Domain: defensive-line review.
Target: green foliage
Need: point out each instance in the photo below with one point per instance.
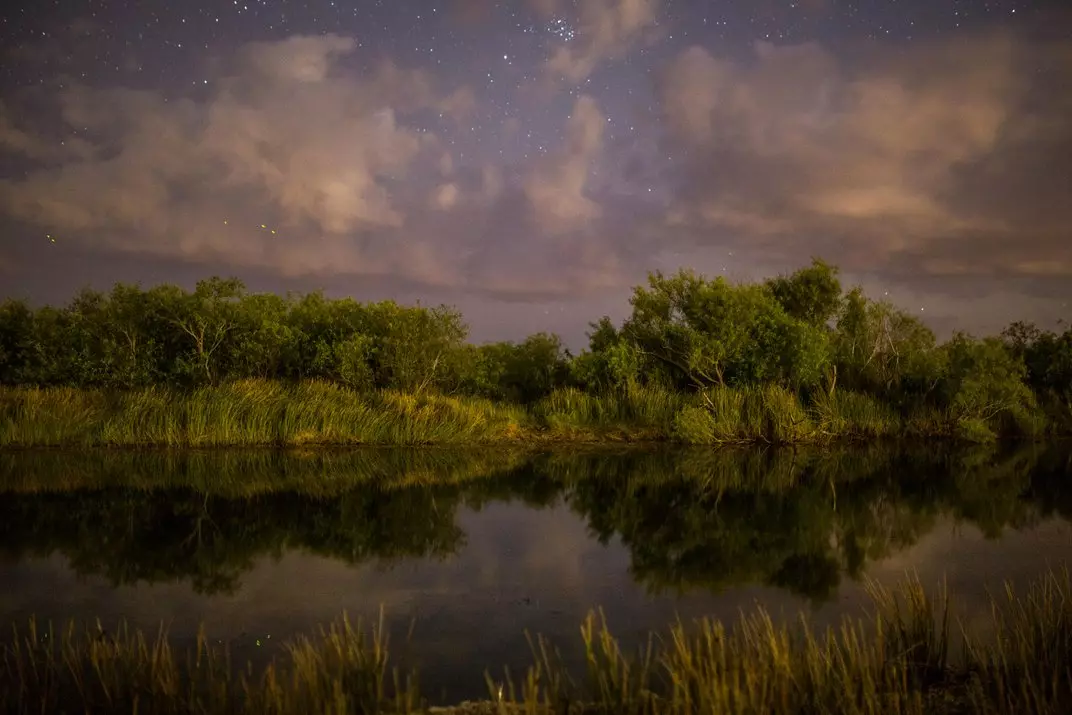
(984, 380)
(686, 334)
(16, 341)
(709, 332)
(852, 414)
(884, 351)
(781, 416)
(415, 344)
(1047, 357)
(726, 406)
(353, 362)
(635, 413)
(811, 295)
(618, 366)
(974, 429)
(694, 425)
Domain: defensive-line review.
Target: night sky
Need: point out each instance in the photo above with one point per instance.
(530, 161)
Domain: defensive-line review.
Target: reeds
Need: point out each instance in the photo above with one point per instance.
(773, 414)
(852, 414)
(90, 670)
(1027, 667)
(896, 660)
(636, 413)
(265, 413)
(249, 413)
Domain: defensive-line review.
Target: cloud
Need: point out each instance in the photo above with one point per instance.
(532, 232)
(446, 164)
(941, 161)
(920, 155)
(283, 162)
(299, 58)
(445, 196)
(16, 140)
(459, 105)
(556, 187)
(606, 30)
(286, 162)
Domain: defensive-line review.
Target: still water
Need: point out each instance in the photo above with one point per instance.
(465, 551)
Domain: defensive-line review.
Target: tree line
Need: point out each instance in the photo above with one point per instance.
(801, 331)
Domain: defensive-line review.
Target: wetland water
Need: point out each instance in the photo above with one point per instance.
(471, 548)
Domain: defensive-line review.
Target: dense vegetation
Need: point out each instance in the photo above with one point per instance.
(898, 660)
(789, 359)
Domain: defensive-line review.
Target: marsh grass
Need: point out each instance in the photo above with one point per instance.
(344, 669)
(773, 414)
(636, 413)
(852, 414)
(897, 659)
(767, 414)
(251, 413)
(1027, 665)
(89, 670)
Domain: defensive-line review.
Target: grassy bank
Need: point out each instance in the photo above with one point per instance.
(263, 413)
(898, 659)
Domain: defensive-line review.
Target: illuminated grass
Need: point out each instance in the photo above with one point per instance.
(897, 660)
(265, 413)
(851, 414)
(249, 413)
(638, 413)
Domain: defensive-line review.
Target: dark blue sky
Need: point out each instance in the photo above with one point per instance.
(529, 161)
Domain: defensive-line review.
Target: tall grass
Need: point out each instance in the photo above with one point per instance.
(773, 414)
(262, 413)
(896, 660)
(249, 413)
(851, 414)
(636, 413)
(1028, 669)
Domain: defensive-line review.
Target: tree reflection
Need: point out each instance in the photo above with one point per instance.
(691, 520)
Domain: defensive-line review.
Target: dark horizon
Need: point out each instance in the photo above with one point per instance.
(530, 162)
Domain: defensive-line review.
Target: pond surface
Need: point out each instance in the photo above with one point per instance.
(470, 549)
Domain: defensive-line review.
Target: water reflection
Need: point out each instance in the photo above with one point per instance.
(257, 543)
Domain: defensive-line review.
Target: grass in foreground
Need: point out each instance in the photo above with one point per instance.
(896, 661)
(263, 413)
